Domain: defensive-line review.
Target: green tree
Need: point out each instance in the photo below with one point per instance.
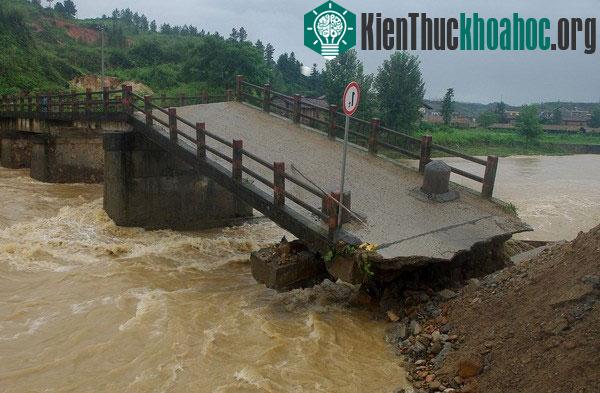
(242, 35)
(70, 8)
(501, 112)
(153, 26)
(595, 120)
(342, 70)
(260, 46)
(216, 61)
(528, 124)
(234, 35)
(269, 55)
(448, 106)
(556, 116)
(400, 91)
(60, 9)
(487, 118)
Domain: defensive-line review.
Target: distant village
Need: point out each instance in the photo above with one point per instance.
(558, 119)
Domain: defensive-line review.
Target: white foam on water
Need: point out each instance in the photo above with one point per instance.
(151, 307)
(30, 326)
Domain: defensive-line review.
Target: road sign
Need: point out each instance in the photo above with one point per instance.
(351, 98)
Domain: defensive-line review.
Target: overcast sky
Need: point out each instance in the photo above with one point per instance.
(517, 77)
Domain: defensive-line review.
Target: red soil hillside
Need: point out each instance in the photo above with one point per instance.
(83, 34)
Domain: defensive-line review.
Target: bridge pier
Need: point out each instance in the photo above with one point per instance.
(15, 151)
(145, 186)
(64, 158)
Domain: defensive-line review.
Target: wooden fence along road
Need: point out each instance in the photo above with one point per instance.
(280, 193)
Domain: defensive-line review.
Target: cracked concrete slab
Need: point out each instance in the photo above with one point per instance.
(406, 227)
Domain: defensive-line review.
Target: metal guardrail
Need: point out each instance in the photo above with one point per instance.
(370, 134)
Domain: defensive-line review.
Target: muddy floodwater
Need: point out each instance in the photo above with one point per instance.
(86, 306)
(559, 196)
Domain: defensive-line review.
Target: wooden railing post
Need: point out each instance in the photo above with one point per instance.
(425, 156)
(200, 140)
(297, 107)
(331, 211)
(205, 97)
(279, 184)
(75, 103)
(22, 103)
(489, 178)
(228, 95)
(127, 101)
(105, 99)
(182, 99)
(332, 126)
(239, 88)
(148, 110)
(173, 125)
(88, 100)
(236, 164)
(374, 135)
(267, 98)
(61, 103)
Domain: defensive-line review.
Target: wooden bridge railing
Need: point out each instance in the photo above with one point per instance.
(202, 98)
(105, 101)
(235, 158)
(368, 133)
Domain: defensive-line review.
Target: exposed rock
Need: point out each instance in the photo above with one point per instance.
(447, 294)
(415, 327)
(439, 358)
(396, 332)
(418, 348)
(393, 316)
(436, 347)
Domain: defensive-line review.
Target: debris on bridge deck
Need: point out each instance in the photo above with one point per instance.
(407, 229)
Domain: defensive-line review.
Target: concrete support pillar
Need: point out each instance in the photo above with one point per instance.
(145, 186)
(15, 150)
(67, 159)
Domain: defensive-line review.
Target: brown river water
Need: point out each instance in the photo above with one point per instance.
(86, 306)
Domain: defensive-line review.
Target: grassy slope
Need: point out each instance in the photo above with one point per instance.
(25, 61)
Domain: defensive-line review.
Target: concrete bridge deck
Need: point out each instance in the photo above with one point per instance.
(407, 229)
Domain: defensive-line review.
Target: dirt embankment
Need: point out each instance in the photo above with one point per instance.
(532, 327)
(82, 34)
(94, 82)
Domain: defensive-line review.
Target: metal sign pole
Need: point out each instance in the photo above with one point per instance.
(343, 176)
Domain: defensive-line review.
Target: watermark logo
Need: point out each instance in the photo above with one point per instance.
(329, 30)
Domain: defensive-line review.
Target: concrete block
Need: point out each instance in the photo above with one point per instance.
(300, 269)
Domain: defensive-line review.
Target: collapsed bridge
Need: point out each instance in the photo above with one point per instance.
(212, 162)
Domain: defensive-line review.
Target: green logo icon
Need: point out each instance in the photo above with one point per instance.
(329, 30)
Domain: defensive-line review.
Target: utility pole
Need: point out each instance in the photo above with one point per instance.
(102, 40)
